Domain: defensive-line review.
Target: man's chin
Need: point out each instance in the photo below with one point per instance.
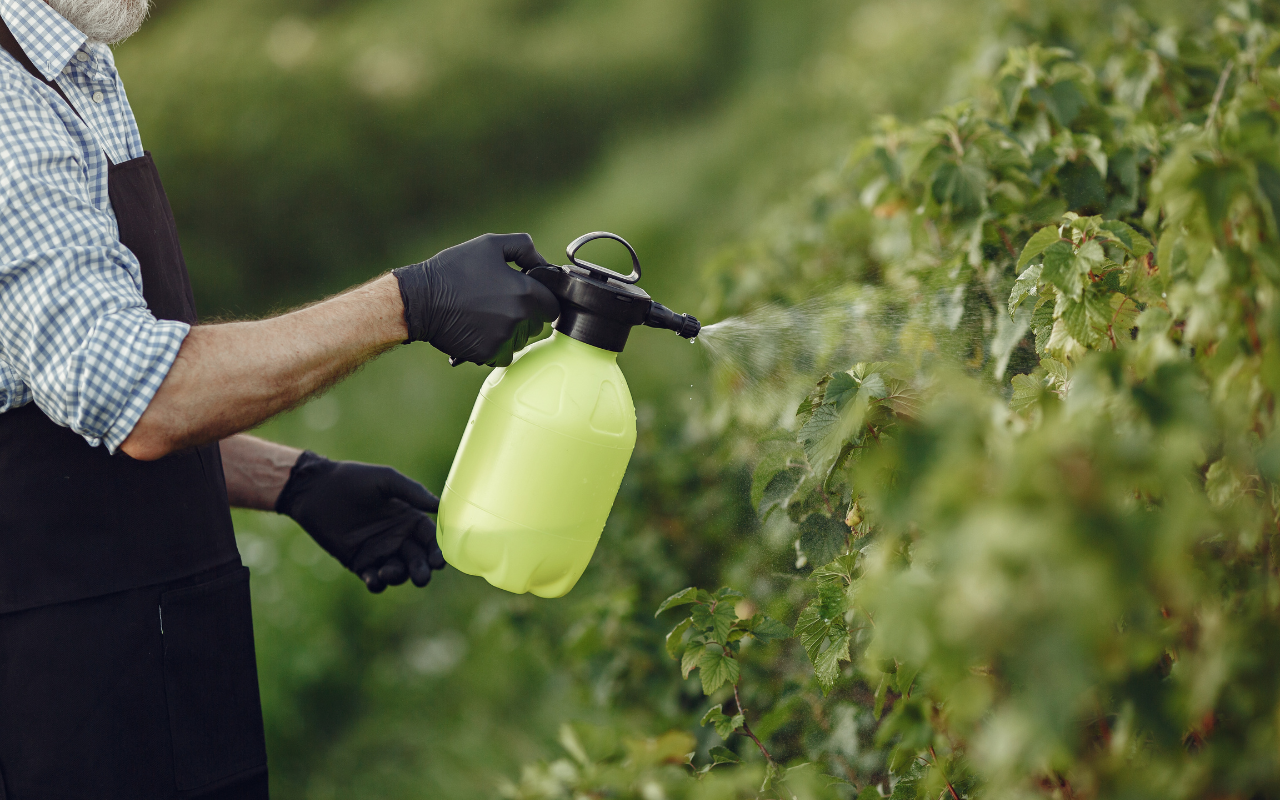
(103, 21)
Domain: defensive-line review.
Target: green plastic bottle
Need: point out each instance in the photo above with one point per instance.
(550, 436)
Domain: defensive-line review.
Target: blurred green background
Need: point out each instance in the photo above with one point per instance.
(311, 144)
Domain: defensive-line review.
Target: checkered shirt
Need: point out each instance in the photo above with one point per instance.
(75, 333)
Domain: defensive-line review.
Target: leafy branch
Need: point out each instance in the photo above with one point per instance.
(709, 640)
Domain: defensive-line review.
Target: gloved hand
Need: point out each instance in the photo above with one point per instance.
(468, 303)
(371, 518)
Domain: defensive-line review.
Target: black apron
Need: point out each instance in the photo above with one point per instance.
(126, 642)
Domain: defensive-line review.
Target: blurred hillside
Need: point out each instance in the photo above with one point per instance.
(310, 144)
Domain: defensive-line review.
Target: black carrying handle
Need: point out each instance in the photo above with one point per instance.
(596, 269)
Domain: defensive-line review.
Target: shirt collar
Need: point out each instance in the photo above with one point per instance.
(45, 35)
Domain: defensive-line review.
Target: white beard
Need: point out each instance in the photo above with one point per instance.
(104, 21)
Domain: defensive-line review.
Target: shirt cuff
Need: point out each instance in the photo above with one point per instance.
(163, 342)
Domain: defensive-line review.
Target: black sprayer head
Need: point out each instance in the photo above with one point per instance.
(600, 307)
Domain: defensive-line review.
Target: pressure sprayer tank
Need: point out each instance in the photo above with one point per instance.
(550, 436)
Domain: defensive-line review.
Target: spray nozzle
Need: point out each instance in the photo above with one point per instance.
(599, 306)
(685, 325)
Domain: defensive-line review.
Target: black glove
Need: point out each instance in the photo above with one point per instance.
(372, 519)
(468, 303)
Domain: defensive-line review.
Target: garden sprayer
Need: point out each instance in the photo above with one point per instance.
(550, 436)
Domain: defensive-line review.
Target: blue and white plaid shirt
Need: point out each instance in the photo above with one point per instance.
(75, 333)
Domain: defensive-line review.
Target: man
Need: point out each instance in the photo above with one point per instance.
(126, 649)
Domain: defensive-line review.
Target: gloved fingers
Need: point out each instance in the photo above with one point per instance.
(518, 248)
(382, 541)
(400, 487)
(425, 537)
(525, 331)
(393, 571)
(542, 304)
(415, 558)
(505, 355)
(372, 581)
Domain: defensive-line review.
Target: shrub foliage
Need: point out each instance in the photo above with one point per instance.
(1033, 511)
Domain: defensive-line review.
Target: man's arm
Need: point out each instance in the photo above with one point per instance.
(228, 378)
(256, 470)
(465, 300)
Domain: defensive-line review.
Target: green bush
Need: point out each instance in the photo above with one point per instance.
(1023, 523)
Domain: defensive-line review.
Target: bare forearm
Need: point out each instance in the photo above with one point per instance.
(228, 378)
(256, 470)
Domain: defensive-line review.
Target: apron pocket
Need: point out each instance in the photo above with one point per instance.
(211, 681)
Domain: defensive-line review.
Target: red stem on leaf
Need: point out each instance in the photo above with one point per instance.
(950, 788)
(1008, 245)
(747, 728)
(826, 501)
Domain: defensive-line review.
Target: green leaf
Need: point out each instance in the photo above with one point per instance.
(772, 772)
(819, 425)
(1091, 256)
(1123, 234)
(827, 431)
(826, 641)
(831, 599)
(903, 680)
(1042, 326)
(840, 390)
(725, 725)
(910, 783)
(727, 593)
(689, 662)
(1068, 101)
(1024, 286)
(1037, 244)
(827, 664)
(768, 629)
(842, 568)
(1011, 89)
(717, 669)
(1087, 319)
(723, 755)
(1027, 390)
(1124, 315)
(1269, 186)
(873, 385)
(1218, 185)
(713, 715)
(1059, 373)
(1062, 269)
(716, 622)
(962, 183)
(882, 693)
(1082, 185)
(777, 454)
(779, 491)
(681, 598)
(572, 744)
(823, 538)
(833, 578)
(675, 639)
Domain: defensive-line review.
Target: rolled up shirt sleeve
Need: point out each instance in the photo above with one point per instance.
(75, 333)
